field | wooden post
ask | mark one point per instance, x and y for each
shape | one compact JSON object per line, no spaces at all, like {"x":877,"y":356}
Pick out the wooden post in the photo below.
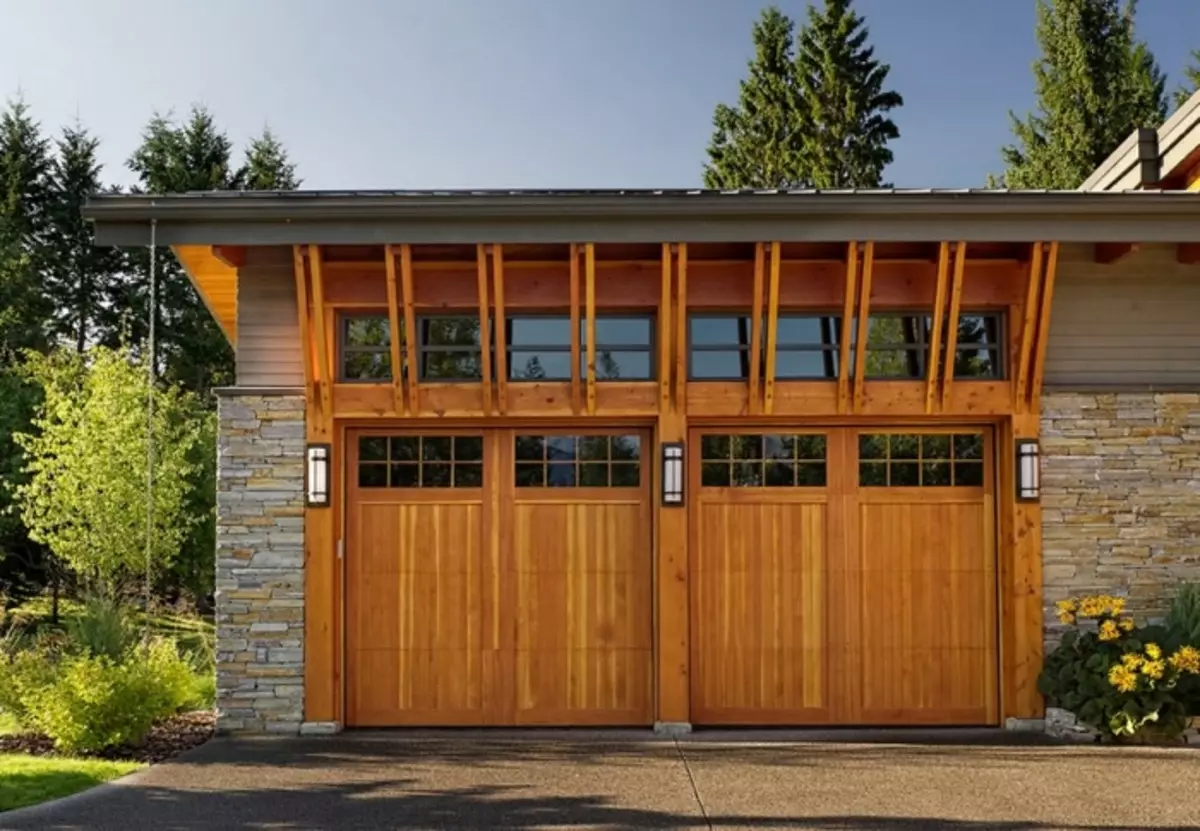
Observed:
{"x":671,"y":586}
{"x":756,"y":315}
{"x":664,"y":333}
{"x":848,"y":328}
{"x":399,"y":403}
{"x":324,"y":368}
{"x":501,"y":330}
{"x":956,"y":291}
{"x":590,"y":298}
{"x":1029,"y":319}
{"x":304,"y":312}
{"x":1021,"y":635}
{"x":864,"y":324}
{"x":681,"y":349}
{"x":485,"y":325}
{"x":410,"y":328}
{"x":772,"y":328}
{"x":576,"y":397}
{"x":1043,"y":333}
{"x":939,"y":314}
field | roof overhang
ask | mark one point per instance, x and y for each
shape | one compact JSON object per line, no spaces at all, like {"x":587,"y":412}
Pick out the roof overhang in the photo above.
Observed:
{"x":1151,"y":158}
{"x":372,"y":218}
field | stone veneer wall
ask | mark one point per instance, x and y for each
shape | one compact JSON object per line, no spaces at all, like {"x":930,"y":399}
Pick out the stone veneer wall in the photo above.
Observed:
{"x":1120,"y":497}
{"x":260,"y":563}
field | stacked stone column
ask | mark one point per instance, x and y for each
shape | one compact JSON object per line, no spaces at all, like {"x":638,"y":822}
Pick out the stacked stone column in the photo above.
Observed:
{"x":260,"y":562}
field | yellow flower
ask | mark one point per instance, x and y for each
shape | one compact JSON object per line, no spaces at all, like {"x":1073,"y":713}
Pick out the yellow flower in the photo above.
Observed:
{"x":1122,"y":678}
{"x":1131,"y":660}
{"x":1116,"y":605}
{"x":1153,"y":669}
{"x":1068,"y":605}
{"x":1109,"y":631}
{"x":1153,"y":652}
{"x":1126,"y":624}
{"x":1066,"y":617}
{"x":1186,"y":659}
{"x":1090,"y":607}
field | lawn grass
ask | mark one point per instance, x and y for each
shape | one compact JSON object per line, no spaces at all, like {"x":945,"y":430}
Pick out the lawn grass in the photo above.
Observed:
{"x":28,"y":780}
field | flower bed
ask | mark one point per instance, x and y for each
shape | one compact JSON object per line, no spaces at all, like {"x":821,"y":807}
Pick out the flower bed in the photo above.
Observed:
{"x":1111,"y":679}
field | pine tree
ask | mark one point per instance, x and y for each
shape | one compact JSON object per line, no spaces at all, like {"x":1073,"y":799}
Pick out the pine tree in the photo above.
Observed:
{"x":81,"y":278}
{"x":1191,"y":73}
{"x":267,"y":165}
{"x":759,"y":142}
{"x":1095,"y":84}
{"x":844,"y":102}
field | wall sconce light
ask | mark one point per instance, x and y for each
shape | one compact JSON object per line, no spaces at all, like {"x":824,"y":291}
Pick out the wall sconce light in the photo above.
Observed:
{"x":672,"y":473}
{"x":316,"y":485}
{"x":1029,"y":472}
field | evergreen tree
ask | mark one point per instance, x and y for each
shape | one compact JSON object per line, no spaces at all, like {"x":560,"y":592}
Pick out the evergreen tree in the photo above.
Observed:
{"x":1095,"y":84}
{"x":1191,"y":73}
{"x":81,"y":278}
{"x":267,"y":165}
{"x":759,"y":143}
{"x":844,"y":102}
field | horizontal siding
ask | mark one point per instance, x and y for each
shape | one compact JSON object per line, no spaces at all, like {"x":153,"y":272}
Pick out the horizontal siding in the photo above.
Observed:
{"x":1133,"y":323}
{"x":268,"y":348}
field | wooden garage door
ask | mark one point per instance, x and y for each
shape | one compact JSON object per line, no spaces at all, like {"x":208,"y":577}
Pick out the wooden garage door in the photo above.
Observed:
{"x":498,"y":577}
{"x":843,"y":576}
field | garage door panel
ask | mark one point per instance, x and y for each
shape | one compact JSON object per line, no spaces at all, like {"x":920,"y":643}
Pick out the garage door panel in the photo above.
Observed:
{"x":759,"y":613}
{"x":928,"y":622}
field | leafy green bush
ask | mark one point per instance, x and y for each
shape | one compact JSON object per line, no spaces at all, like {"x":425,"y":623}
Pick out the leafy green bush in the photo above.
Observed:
{"x":92,"y":701}
{"x":1117,"y":678}
{"x":103,"y":628}
{"x":22,"y":675}
{"x":1183,"y":620}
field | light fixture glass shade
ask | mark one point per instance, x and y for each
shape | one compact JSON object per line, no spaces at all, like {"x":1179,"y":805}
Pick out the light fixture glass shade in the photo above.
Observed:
{"x":672,"y":473}
{"x":1029,"y":473}
{"x":317,"y":479}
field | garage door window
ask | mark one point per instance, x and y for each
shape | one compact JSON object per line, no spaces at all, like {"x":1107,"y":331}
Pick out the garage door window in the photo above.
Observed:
{"x":578,"y":461}
{"x":762,"y":460}
{"x":420,"y":462}
{"x":911,"y":460}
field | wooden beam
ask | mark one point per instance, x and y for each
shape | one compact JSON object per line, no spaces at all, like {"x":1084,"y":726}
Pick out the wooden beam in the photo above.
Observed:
{"x":956,"y":293}
{"x":1029,"y":319}
{"x":1110,"y":252}
{"x":848,"y":329}
{"x":589,"y":254}
{"x":1043,"y":333}
{"x":303,"y":312}
{"x":1188,"y":253}
{"x":324,"y":367}
{"x":399,"y":403}
{"x":864,"y":323}
{"x":485,"y":325}
{"x":772,"y":328}
{"x":576,"y":397}
{"x":681,"y":353}
{"x":410,"y":328}
{"x":939,"y":315}
{"x":664,"y":333}
{"x":501,"y":330}
{"x":233,"y":256}
{"x":756,"y":314}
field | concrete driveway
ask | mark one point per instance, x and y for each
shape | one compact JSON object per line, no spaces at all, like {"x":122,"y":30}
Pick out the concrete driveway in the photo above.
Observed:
{"x":959,"y":781}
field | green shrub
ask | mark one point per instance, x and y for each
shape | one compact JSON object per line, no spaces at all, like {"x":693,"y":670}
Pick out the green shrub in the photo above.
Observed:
{"x":92,"y":701}
{"x":1117,"y":678}
{"x":103,"y":627}
{"x":22,"y":675}
{"x":1183,"y":620}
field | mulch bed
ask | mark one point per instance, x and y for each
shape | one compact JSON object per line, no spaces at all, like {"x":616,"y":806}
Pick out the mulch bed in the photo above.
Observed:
{"x":166,"y":739}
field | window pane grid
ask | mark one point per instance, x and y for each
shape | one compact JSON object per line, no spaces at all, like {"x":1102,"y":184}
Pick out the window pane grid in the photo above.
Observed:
{"x":920,"y":460}
{"x":588,"y":461}
{"x":762,"y":460}
{"x":420,"y":461}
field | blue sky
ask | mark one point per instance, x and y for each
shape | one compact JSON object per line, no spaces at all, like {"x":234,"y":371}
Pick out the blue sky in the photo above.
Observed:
{"x":512,"y":93}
